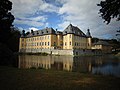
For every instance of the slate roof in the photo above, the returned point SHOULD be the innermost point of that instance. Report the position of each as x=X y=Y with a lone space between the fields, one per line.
x=45 y=31
x=102 y=43
x=73 y=30
x=69 y=30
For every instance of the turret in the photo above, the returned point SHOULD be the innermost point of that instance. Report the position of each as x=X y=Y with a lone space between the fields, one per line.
x=88 y=33
x=89 y=37
x=23 y=33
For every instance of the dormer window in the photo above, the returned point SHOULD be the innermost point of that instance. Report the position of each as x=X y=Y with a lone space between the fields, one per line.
x=37 y=32
x=66 y=32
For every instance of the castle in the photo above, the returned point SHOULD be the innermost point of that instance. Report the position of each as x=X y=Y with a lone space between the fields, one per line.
x=56 y=42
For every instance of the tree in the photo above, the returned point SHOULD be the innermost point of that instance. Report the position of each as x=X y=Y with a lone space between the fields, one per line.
x=110 y=9
x=13 y=41
x=6 y=19
x=95 y=40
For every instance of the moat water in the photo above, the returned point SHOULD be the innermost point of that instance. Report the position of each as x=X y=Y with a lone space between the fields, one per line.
x=103 y=65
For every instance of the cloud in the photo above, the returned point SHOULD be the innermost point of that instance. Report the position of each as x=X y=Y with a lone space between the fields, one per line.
x=84 y=14
x=31 y=7
x=63 y=25
x=33 y=28
x=25 y=7
x=38 y=18
x=81 y=13
x=29 y=23
x=46 y=7
x=30 y=12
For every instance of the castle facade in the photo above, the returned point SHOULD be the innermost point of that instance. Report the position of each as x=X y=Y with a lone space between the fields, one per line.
x=72 y=38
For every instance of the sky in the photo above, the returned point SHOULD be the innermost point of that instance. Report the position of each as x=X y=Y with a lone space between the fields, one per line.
x=58 y=14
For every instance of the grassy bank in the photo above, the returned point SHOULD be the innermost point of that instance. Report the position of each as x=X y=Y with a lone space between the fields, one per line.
x=40 y=79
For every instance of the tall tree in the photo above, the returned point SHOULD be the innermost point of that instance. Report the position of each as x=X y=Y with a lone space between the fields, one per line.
x=110 y=9
x=13 y=41
x=6 y=20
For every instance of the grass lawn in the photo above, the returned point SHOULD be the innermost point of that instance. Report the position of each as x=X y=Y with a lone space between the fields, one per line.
x=40 y=79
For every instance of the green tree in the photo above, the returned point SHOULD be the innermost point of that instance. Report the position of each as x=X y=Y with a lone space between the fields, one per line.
x=13 y=41
x=6 y=20
x=110 y=9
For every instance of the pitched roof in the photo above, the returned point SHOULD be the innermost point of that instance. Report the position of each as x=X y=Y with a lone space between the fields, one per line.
x=102 y=43
x=73 y=30
x=42 y=32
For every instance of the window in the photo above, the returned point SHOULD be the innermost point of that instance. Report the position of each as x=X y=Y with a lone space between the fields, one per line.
x=65 y=43
x=22 y=44
x=22 y=39
x=48 y=43
x=76 y=53
x=88 y=44
x=75 y=43
x=70 y=43
x=61 y=44
x=45 y=43
x=54 y=43
x=42 y=43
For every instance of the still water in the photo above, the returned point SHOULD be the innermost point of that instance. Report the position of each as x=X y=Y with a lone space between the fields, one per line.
x=104 y=65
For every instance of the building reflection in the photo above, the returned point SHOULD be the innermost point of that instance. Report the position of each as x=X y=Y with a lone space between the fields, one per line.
x=46 y=62
x=67 y=63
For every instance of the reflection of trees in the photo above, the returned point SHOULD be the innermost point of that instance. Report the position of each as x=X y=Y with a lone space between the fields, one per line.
x=105 y=60
x=82 y=64
x=68 y=63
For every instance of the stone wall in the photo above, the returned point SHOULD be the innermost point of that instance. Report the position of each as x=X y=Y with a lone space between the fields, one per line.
x=86 y=52
x=65 y=52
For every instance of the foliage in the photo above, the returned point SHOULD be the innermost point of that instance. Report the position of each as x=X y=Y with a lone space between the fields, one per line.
x=6 y=19
x=109 y=9
x=95 y=40
x=13 y=41
x=9 y=35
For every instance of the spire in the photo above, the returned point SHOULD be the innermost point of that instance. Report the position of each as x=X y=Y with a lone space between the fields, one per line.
x=88 y=33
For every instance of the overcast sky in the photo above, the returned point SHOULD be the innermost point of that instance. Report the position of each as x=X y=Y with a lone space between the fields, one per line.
x=39 y=14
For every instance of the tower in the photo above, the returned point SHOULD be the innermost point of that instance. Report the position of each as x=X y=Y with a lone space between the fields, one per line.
x=89 y=43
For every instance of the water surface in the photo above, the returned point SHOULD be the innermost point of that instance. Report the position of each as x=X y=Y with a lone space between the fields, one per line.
x=104 y=65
